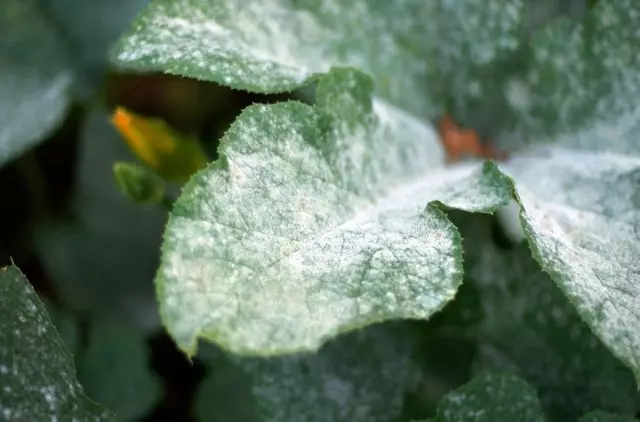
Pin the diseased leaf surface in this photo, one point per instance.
(35, 77)
(524, 324)
(362, 376)
(410, 47)
(314, 222)
(580, 82)
(491, 398)
(582, 218)
(37, 372)
(299, 202)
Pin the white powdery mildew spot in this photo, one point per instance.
(610, 133)
(277, 45)
(420, 140)
(245, 41)
(292, 244)
(294, 293)
(584, 220)
(37, 373)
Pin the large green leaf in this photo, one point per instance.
(38, 379)
(479, 60)
(580, 208)
(491, 398)
(524, 324)
(412, 48)
(35, 77)
(359, 377)
(581, 214)
(313, 222)
(580, 83)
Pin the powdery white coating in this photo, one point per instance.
(583, 83)
(526, 325)
(293, 243)
(36, 371)
(214, 37)
(276, 46)
(408, 46)
(582, 215)
(489, 398)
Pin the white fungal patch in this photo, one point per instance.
(583, 214)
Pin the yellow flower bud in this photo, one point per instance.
(173, 156)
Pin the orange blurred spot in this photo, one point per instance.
(459, 142)
(172, 156)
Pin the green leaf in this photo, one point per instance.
(139, 184)
(524, 324)
(412, 48)
(115, 369)
(35, 77)
(316, 226)
(582, 229)
(360, 377)
(599, 416)
(38, 376)
(581, 215)
(491, 398)
(580, 82)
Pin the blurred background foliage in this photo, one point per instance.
(91, 254)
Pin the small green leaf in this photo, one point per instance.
(139, 184)
(599, 416)
(115, 369)
(35, 77)
(314, 222)
(360, 377)
(37, 372)
(415, 51)
(491, 398)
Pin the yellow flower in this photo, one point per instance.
(173, 156)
